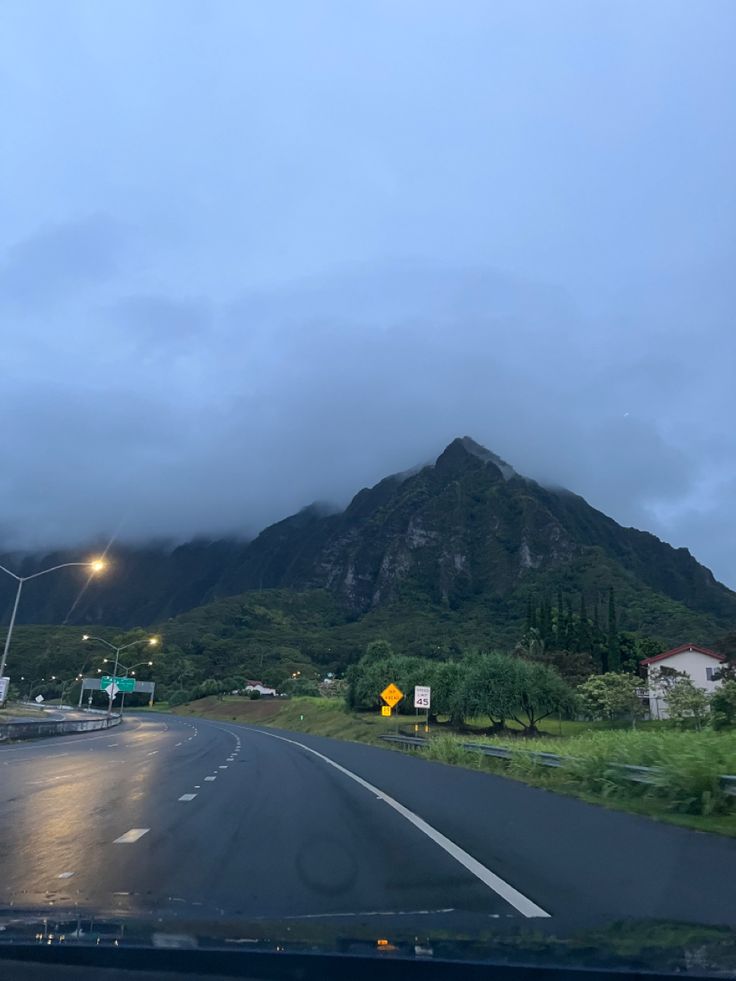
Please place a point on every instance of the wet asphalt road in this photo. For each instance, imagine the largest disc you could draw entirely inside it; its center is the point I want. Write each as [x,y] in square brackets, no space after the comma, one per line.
[172,817]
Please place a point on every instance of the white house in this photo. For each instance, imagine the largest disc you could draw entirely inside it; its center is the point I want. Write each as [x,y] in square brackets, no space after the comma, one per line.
[698,663]
[259,687]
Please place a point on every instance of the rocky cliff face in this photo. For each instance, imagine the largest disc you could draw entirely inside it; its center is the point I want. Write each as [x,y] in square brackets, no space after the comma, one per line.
[465,528]
[467,525]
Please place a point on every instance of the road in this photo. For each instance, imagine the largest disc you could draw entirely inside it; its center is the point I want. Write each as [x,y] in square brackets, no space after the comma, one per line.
[180,817]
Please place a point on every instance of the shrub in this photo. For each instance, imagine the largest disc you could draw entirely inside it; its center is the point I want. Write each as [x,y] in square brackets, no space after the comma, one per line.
[723,705]
[687,703]
[610,696]
[179,697]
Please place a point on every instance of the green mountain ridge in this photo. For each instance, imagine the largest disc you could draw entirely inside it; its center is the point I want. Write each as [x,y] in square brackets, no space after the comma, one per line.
[465,535]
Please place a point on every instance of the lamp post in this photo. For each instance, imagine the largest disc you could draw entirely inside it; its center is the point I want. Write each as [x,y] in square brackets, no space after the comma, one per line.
[123,647]
[69,684]
[131,671]
[96,565]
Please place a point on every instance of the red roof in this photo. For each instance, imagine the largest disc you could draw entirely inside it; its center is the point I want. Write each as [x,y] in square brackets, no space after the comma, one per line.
[681,650]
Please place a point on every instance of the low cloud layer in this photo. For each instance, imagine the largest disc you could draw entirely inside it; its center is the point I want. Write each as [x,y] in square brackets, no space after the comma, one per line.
[270,272]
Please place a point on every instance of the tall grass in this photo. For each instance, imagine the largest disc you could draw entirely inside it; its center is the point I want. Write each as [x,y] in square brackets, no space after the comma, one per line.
[448,749]
[688,766]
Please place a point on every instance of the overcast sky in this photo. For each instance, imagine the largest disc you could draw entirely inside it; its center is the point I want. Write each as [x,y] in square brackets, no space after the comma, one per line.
[258,254]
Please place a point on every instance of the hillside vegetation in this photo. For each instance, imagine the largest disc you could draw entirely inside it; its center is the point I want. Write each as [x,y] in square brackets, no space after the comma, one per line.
[464,541]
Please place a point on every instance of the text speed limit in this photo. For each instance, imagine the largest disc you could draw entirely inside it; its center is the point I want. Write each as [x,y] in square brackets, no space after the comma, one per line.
[422,696]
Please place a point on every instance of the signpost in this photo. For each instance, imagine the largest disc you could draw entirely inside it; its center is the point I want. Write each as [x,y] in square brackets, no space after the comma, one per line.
[124,683]
[120,684]
[4,685]
[392,695]
[422,696]
[113,685]
[422,700]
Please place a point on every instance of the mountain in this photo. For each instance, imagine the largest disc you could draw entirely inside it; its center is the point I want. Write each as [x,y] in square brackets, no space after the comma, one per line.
[466,535]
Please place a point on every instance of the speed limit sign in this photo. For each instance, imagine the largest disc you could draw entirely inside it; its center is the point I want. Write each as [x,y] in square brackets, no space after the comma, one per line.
[422,696]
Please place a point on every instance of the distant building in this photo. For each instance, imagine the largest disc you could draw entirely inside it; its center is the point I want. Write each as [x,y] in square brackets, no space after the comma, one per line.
[699,664]
[259,687]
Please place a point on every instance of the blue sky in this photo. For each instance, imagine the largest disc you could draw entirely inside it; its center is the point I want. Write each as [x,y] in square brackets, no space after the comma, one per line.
[253,255]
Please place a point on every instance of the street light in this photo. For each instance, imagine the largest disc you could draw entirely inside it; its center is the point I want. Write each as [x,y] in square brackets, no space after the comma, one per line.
[94,565]
[130,671]
[152,641]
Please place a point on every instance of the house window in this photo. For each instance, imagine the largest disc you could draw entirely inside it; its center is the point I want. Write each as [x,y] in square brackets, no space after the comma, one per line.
[710,674]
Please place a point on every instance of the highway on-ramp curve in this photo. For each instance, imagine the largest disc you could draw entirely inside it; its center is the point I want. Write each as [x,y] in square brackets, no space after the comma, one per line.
[171,816]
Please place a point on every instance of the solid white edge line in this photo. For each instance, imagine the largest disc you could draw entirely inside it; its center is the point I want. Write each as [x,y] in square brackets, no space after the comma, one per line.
[502,888]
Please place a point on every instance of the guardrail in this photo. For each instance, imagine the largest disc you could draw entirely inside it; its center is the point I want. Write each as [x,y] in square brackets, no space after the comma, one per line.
[12,731]
[639,774]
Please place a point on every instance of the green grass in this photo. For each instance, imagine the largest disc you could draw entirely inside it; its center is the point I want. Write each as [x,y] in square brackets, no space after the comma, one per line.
[320,716]
[554,728]
[329,717]
[686,791]
[15,711]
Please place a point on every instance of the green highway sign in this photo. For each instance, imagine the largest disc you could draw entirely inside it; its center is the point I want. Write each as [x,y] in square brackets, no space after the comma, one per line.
[123,684]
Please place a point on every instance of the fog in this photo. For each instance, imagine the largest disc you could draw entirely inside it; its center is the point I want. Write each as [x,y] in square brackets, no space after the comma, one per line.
[257,255]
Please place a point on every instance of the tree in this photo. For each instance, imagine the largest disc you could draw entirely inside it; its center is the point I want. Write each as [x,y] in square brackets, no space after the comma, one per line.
[179,697]
[570,636]
[530,618]
[649,647]
[538,692]
[367,679]
[573,666]
[531,645]
[487,687]
[584,639]
[610,696]
[444,680]
[378,650]
[560,638]
[613,658]
[685,701]
[723,705]
[545,621]
[628,652]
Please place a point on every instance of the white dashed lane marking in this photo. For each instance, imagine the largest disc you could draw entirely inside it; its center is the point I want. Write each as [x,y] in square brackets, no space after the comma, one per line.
[153,753]
[187,797]
[210,778]
[223,767]
[65,875]
[130,836]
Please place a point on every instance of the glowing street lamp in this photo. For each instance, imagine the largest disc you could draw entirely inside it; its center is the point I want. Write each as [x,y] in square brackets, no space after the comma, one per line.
[94,565]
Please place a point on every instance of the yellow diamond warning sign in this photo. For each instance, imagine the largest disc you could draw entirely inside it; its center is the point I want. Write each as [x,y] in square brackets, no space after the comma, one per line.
[391,695]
